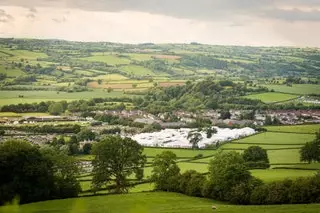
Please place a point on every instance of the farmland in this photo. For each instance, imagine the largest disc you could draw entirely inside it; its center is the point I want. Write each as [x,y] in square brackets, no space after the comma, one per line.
[149,203]
[298,128]
[191,86]
[282,148]
[12,97]
[272,97]
[300,89]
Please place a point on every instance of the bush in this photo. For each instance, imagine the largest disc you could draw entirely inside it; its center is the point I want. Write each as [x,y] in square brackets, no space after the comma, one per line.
[255,154]
[257,165]
[87,148]
[191,183]
[241,193]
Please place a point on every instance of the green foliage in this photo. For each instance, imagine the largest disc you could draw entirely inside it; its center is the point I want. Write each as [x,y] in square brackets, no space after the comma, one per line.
[225,115]
[86,149]
[166,172]
[255,156]
[310,152]
[86,134]
[191,183]
[210,131]
[116,158]
[32,177]
[65,169]
[37,175]
[226,171]
[55,108]
[241,193]
[194,138]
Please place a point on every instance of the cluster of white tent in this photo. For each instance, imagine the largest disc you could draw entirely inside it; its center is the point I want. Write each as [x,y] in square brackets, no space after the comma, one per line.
[178,138]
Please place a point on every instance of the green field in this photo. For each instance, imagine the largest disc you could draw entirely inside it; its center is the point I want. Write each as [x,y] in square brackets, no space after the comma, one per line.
[269,175]
[137,70]
[275,138]
[312,128]
[10,72]
[181,153]
[13,114]
[241,146]
[12,97]
[271,97]
[284,156]
[109,59]
[301,89]
[152,202]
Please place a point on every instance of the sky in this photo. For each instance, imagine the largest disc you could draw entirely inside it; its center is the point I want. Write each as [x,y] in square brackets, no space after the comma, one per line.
[221,22]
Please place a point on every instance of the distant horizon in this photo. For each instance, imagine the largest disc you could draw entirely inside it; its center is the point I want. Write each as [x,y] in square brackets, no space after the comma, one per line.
[282,23]
[149,42]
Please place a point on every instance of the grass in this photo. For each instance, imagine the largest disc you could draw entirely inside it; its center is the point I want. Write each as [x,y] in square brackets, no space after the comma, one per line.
[202,168]
[271,97]
[284,156]
[111,77]
[301,89]
[142,188]
[275,138]
[13,114]
[312,128]
[241,146]
[109,59]
[12,97]
[269,175]
[11,72]
[315,166]
[181,153]
[151,202]
[137,70]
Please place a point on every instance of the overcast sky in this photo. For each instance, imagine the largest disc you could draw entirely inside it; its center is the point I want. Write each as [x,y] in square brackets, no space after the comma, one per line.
[231,22]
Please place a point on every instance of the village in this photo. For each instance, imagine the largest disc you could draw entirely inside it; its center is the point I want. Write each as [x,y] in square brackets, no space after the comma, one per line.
[172,120]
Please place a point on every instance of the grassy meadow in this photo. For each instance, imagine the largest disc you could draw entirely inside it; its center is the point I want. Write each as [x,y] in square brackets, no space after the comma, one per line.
[300,89]
[271,97]
[155,202]
[312,128]
[12,97]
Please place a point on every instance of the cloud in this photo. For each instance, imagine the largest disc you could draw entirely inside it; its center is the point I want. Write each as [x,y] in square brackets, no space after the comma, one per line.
[208,10]
[59,20]
[5,17]
[295,15]
[33,10]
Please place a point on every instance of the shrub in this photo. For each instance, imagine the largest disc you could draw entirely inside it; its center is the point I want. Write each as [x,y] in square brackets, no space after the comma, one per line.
[257,165]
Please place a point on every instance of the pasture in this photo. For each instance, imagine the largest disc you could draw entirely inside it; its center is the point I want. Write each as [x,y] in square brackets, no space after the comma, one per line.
[135,70]
[275,138]
[12,97]
[181,153]
[10,72]
[312,128]
[13,114]
[271,97]
[108,59]
[269,175]
[300,89]
[151,202]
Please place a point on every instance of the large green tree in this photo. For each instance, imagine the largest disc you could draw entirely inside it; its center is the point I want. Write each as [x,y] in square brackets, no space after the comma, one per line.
[226,171]
[256,157]
[116,159]
[166,173]
[56,108]
[194,138]
[86,134]
[310,152]
[65,170]
[24,173]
